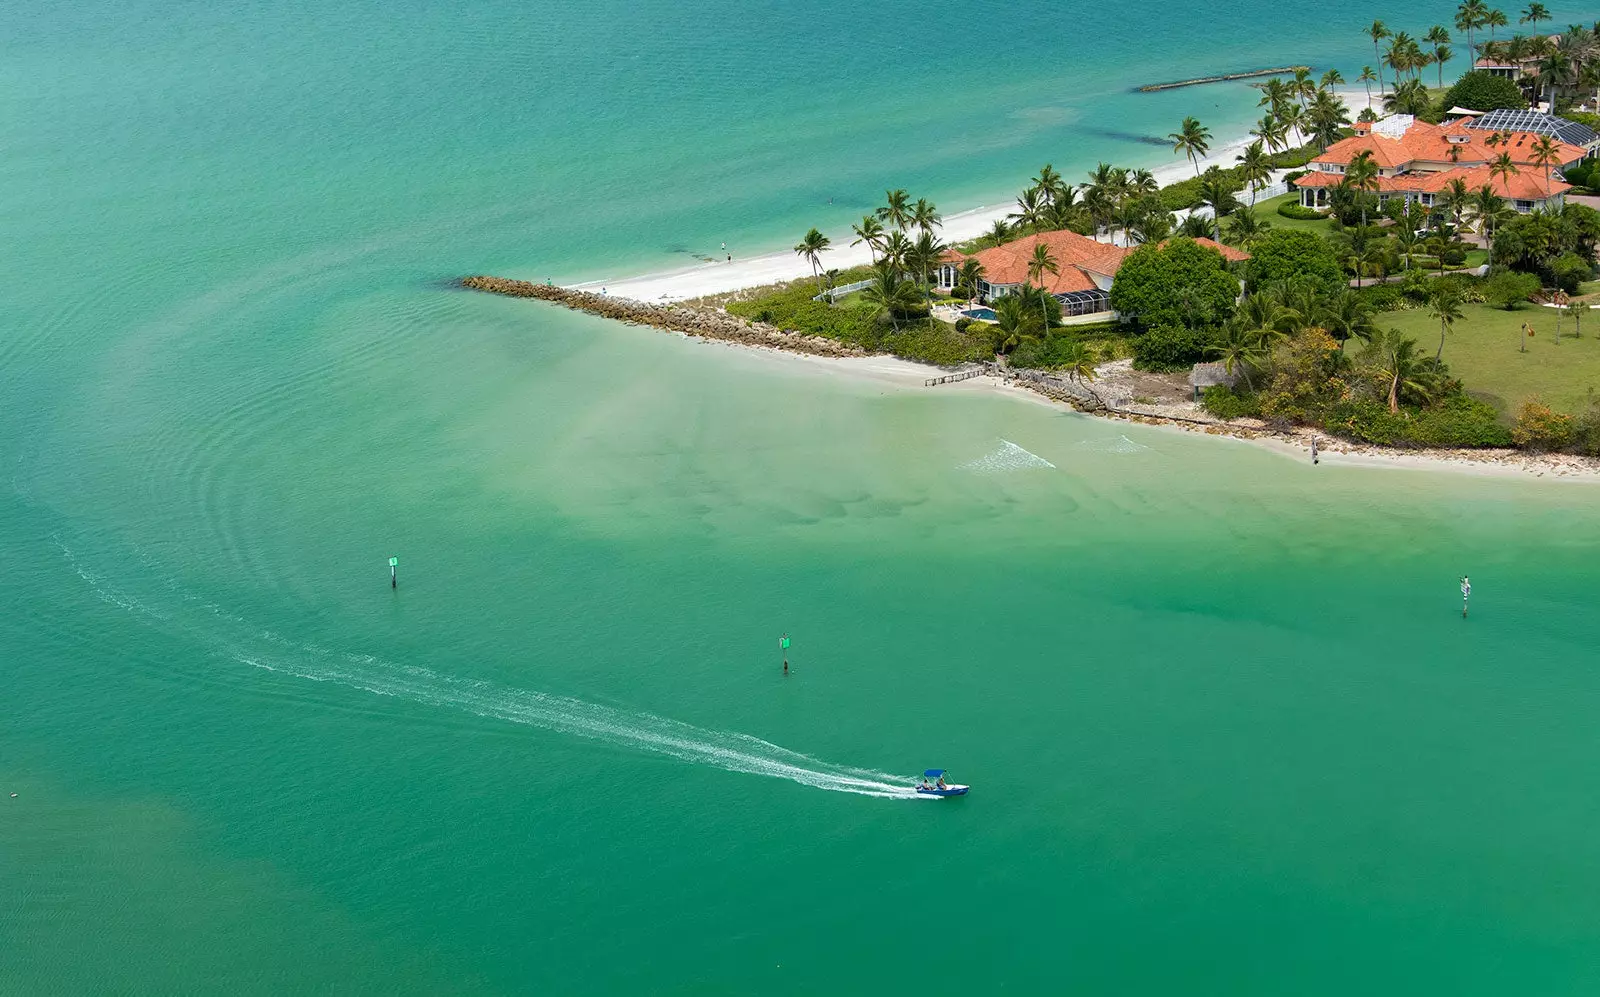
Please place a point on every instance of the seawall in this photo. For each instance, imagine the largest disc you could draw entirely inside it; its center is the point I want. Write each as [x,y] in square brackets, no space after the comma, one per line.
[672,318]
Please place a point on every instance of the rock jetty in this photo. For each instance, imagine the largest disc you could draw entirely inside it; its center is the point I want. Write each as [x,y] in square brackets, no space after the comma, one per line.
[699,322]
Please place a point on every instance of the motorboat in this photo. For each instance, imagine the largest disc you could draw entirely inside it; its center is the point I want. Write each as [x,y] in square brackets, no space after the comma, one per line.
[938,786]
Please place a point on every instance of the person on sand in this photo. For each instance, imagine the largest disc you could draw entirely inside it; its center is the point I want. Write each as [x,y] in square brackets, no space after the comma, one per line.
[1313,450]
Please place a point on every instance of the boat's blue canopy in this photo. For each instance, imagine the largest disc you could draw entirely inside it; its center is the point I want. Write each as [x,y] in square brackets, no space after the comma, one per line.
[933,773]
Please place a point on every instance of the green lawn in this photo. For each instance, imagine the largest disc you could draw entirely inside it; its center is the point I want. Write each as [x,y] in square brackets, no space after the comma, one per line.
[1268,211]
[1482,351]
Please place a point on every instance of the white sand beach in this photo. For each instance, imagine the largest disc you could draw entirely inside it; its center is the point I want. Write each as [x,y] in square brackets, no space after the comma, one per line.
[718,278]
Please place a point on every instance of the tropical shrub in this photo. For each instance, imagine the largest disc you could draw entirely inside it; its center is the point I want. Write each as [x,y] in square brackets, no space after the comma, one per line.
[1366,421]
[1540,429]
[1179,283]
[1225,403]
[1385,297]
[1169,348]
[1483,91]
[1286,254]
[1300,212]
[1586,432]
[1508,288]
[1306,379]
[1459,421]
[1569,270]
[963,324]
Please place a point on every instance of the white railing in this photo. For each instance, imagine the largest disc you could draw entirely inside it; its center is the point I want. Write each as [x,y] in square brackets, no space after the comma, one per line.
[835,292]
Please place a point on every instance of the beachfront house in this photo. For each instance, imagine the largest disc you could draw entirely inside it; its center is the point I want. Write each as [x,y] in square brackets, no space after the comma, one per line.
[1417,161]
[1087,268]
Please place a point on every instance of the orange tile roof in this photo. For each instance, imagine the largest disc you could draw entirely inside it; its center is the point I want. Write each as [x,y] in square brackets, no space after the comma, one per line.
[1078,257]
[1388,153]
[1528,185]
[1450,143]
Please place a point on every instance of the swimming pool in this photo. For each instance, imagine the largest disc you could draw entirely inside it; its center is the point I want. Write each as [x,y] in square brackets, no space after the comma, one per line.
[987,314]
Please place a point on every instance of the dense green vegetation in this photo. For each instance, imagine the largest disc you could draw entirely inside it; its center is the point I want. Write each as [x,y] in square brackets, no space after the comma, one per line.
[1413,354]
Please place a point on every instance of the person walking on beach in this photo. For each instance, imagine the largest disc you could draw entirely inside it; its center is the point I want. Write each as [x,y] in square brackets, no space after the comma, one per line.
[1313,451]
[1466,593]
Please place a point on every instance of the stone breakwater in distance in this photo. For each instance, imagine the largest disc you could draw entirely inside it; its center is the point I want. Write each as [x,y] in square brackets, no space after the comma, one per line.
[673,318]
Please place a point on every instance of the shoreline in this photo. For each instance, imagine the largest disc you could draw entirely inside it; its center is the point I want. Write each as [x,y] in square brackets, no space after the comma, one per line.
[1333,451]
[716,327]
[706,279]
[654,300]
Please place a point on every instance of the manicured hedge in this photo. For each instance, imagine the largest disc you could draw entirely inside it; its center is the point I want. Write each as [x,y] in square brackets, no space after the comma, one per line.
[1289,209]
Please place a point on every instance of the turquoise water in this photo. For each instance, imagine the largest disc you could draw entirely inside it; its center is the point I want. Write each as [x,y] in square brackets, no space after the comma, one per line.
[1227,730]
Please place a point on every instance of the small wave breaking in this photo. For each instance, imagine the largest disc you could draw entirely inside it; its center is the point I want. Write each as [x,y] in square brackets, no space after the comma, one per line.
[1119,445]
[1006,457]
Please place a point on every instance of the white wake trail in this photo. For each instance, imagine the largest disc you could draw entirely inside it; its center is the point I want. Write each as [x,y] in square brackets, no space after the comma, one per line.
[637,730]
[729,751]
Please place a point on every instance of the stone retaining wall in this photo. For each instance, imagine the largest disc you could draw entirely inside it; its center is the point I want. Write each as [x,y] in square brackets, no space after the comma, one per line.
[673,318]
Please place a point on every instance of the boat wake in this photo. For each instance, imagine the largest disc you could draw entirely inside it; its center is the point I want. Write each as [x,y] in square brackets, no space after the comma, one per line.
[730,751]
[629,729]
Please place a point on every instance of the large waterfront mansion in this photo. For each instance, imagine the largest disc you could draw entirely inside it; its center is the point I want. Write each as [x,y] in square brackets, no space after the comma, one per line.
[1418,161]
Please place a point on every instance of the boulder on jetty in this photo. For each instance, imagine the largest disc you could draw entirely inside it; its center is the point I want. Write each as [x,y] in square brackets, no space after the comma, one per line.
[673,318]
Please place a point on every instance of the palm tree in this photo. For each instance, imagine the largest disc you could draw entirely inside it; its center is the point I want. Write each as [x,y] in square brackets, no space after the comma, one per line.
[1328,114]
[1366,79]
[1503,168]
[1546,151]
[1345,315]
[1031,209]
[1400,364]
[1240,349]
[1244,228]
[1275,94]
[1193,140]
[870,231]
[1488,211]
[1494,19]
[1399,55]
[1272,132]
[1011,323]
[999,233]
[923,257]
[896,251]
[924,217]
[1040,264]
[1441,55]
[1470,16]
[889,293]
[1445,305]
[1554,70]
[1378,32]
[1407,242]
[1075,360]
[896,209]
[1362,174]
[1216,192]
[1294,120]
[1049,183]
[1533,14]
[1304,86]
[1454,200]
[1152,226]
[811,248]
[1255,168]
[969,274]
[1410,97]
[1330,79]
